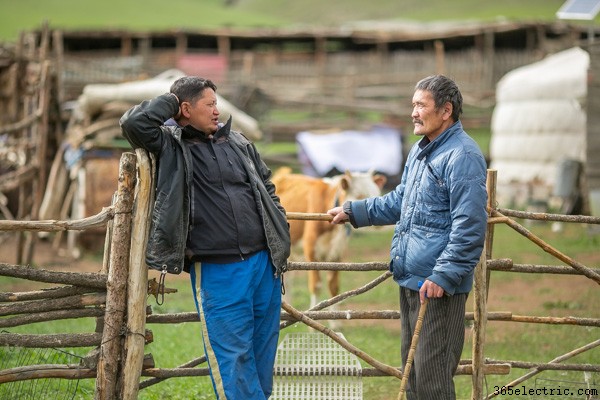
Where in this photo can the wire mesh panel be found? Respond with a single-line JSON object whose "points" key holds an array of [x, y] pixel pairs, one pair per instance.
{"points": [[544, 388], [313, 366], [39, 388]]}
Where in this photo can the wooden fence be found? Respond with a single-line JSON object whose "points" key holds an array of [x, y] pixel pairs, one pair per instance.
{"points": [[116, 297]]}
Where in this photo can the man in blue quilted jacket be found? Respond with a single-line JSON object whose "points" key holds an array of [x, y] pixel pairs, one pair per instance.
{"points": [[439, 209]]}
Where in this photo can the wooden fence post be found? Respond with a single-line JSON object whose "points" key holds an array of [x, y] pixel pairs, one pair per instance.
{"points": [[116, 286], [479, 327], [492, 179], [138, 280], [480, 288]]}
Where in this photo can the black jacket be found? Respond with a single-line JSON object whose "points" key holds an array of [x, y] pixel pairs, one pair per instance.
{"points": [[143, 126]]}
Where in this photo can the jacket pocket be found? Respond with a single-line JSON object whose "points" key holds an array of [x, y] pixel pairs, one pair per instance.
{"points": [[434, 191], [423, 249]]}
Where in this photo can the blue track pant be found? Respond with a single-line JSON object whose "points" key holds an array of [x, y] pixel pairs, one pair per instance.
{"points": [[239, 306]]}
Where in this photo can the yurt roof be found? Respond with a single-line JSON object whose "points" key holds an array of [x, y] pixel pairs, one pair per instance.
{"points": [[558, 75]]}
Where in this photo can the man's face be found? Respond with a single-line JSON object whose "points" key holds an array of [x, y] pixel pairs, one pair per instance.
{"points": [[427, 120], [203, 114]]}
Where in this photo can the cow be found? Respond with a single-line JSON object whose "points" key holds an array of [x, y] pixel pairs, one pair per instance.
{"points": [[321, 240]]}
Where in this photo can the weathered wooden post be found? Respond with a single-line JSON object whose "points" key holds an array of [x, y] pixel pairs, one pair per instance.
{"points": [[116, 286], [492, 179], [479, 326], [138, 280], [480, 309]]}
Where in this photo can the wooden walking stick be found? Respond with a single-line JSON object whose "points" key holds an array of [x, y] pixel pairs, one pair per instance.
{"points": [[413, 347]]}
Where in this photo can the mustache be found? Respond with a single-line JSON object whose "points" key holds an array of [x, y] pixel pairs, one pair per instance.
{"points": [[417, 121]]}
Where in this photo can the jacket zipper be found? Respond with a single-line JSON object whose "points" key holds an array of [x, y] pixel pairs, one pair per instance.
{"points": [[438, 180]]}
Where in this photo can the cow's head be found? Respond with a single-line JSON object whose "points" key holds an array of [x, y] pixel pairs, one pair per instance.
{"points": [[360, 185]]}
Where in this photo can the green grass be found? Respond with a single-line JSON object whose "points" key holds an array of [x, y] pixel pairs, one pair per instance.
{"points": [[17, 16], [288, 148], [428, 10], [572, 239]]}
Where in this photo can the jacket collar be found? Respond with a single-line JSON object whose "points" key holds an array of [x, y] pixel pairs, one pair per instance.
{"points": [[224, 129], [427, 147], [189, 132]]}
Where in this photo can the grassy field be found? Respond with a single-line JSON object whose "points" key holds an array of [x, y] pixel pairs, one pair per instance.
{"points": [[523, 294], [17, 16]]}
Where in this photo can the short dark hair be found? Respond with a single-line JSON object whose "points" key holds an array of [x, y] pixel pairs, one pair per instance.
{"points": [[443, 89], [190, 88]]}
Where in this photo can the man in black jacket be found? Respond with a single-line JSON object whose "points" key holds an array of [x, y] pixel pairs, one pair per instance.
{"points": [[217, 217]]}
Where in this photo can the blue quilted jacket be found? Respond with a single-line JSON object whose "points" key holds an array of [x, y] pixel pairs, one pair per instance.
{"points": [[439, 209]]}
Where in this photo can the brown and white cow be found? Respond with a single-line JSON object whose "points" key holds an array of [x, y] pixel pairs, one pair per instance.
{"points": [[322, 241]]}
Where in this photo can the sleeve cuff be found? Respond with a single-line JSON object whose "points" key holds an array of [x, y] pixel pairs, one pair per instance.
{"points": [[347, 208]]}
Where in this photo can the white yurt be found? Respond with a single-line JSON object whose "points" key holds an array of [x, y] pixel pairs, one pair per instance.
{"points": [[539, 126]]}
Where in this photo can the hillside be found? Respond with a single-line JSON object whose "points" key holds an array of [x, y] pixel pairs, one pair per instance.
{"points": [[339, 12], [17, 16]]}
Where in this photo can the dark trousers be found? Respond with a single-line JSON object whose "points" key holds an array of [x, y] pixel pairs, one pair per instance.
{"points": [[440, 344]]}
